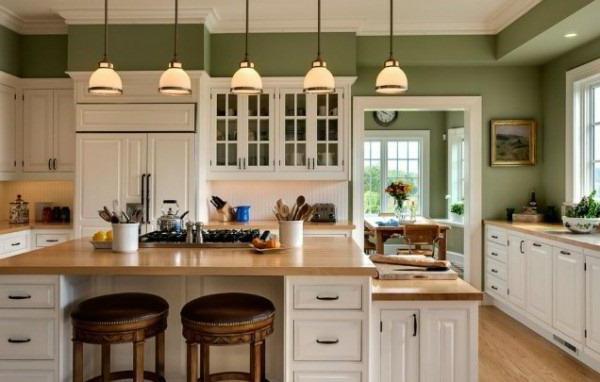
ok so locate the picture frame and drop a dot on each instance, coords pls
(513, 143)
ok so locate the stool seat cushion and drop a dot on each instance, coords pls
(120, 308)
(228, 309)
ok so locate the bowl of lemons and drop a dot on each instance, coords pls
(102, 240)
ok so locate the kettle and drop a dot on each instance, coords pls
(170, 221)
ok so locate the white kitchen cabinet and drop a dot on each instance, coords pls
(399, 346)
(539, 280)
(14, 243)
(8, 129)
(517, 271)
(48, 130)
(592, 292)
(569, 289)
(141, 169)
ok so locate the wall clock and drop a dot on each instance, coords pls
(385, 118)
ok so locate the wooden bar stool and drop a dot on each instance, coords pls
(226, 319)
(121, 318)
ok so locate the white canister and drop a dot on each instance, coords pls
(291, 233)
(125, 237)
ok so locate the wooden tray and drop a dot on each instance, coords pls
(405, 272)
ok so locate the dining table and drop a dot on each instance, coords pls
(381, 228)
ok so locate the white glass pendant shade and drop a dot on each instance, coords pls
(391, 79)
(319, 79)
(246, 80)
(105, 80)
(175, 81)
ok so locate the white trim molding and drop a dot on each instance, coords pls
(472, 107)
(52, 25)
(574, 167)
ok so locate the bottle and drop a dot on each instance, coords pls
(533, 202)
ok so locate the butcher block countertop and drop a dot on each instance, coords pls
(554, 232)
(273, 224)
(319, 257)
(424, 290)
(6, 227)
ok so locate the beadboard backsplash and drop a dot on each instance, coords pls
(61, 193)
(263, 195)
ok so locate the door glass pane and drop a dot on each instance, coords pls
(289, 154)
(333, 154)
(252, 130)
(221, 130)
(264, 130)
(232, 105)
(232, 154)
(289, 105)
(301, 108)
(333, 130)
(321, 154)
(232, 130)
(301, 133)
(264, 154)
(333, 104)
(221, 107)
(220, 154)
(301, 148)
(264, 104)
(253, 105)
(322, 130)
(252, 154)
(289, 130)
(322, 105)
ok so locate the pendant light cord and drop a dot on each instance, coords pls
(105, 59)
(391, 29)
(247, 29)
(319, 31)
(175, 31)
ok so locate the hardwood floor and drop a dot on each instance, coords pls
(511, 352)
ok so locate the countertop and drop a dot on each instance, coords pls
(319, 257)
(552, 231)
(424, 290)
(273, 224)
(5, 227)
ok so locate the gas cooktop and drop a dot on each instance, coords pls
(226, 238)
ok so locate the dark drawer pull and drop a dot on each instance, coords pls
(51, 240)
(19, 340)
(494, 237)
(494, 254)
(328, 298)
(16, 244)
(537, 245)
(19, 297)
(494, 271)
(565, 253)
(328, 342)
(494, 287)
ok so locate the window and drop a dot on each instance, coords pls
(394, 155)
(456, 165)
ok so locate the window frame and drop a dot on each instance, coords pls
(456, 137)
(423, 136)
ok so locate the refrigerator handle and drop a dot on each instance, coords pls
(143, 200)
(148, 198)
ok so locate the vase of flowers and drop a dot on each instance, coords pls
(400, 191)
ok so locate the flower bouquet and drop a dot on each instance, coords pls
(400, 191)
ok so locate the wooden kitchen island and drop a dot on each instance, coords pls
(321, 290)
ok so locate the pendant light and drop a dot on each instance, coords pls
(391, 79)
(319, 79)
(246, 79)
(105, 81)
(174, 80)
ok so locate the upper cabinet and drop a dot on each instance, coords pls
(8, 129)
(281, 134)
(48, 130)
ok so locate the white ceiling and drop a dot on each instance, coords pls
(366, 17)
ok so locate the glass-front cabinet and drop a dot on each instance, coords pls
(282, 134)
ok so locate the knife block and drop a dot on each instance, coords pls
(226, 213)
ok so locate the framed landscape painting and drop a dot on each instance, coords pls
(513, 142)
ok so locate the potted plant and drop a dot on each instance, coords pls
(400, 191)
(457, 211)
(583, 217)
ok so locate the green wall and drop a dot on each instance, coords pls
(43, 56)
(9, 51)
(136, 47)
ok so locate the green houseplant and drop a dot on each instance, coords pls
(584, 217)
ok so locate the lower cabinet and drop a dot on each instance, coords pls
(425, 341)
(517, 271)
(14, 243)
(539, 280)
(592, 292)
(569, 293)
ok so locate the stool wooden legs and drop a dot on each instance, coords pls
(77, 361)
(138, 361)
(192, 362)
(204, 362)
(255, 361)
(160, 354)
(105, 363)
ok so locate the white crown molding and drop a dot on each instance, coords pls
(511, 13)
(17, 24)
(424, 29)
(293, 25)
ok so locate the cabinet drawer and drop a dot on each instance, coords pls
(320, 340)
(496, 235)
(26, 296)
(50, 239)
(26, 375)
(26, 338)
(495, 286)
(326, 376)
(496, 252)
(496, 269)
(340, 296)
(15, 243)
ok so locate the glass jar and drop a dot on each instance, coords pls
(18, 212)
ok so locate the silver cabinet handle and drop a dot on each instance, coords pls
(328, 342)
(328, 298)
(19, 340)
(19, 297)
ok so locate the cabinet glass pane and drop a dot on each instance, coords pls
(301, 105)
(289, 105)
(221, 105)
(232, 154)
(322, 130)
(252, 106)
(289, 130)
(264, 154)
(301, 130)
(322, 105)
(333, 104)
(333, 130)
(232, 105)
(264, 105)
(232, 130)
(252, 130)
(264, 130)
(322, 154)
(332, 157)
(220, 154)
(290, 154)
(252, 154)
(301, 158)
(221, 128)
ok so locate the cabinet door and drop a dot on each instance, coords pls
(64, 131)
(328, 146)
(399, 352)
(259, 135)
(225, 132)
(8, 128)
(133, 167)
(293, 131)
(446, 347)
(37, 130)
(539, 280)
(171, 167)
(593, 303)
(517, 271)
(569, 289)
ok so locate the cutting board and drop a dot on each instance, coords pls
(404, 272)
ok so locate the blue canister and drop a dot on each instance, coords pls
(242, 214)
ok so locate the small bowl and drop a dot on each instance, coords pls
(581, 225)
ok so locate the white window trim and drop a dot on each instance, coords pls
(455, 135)
(577, 79)
(423, 136)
